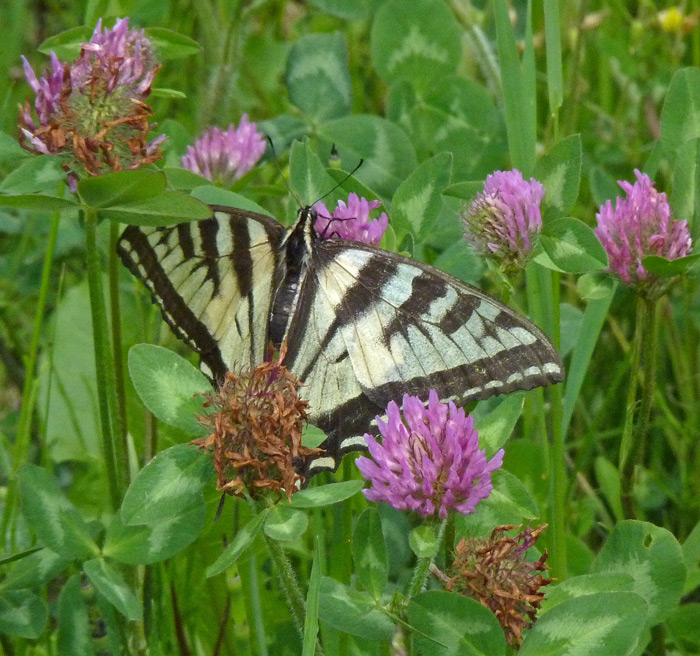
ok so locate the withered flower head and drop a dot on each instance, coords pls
(495, 573)
(92, 112)
(257, 431)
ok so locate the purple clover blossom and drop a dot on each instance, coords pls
(640, 225)
(429, 460)
(351, 221)
(504, 220)
(226, 155)
(92, 112)
(124, 54)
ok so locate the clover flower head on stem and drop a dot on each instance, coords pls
(639, 225)
(224, 156)
(429, 459)
(351, 220)
(504, 219)
(92, 113)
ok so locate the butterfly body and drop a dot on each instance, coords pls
(362, 326)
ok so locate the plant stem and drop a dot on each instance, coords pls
(103, 365)
(24, 423)
(627, 461)
(651, 339)
(290, 585)
(558, 464)
(121, 426)
(27, 409)
(422, 568)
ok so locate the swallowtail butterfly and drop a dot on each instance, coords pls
(363, 326)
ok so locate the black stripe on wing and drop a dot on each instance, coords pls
(499, 350)
(198, 245)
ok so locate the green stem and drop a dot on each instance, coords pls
(121, 426)
(27, 409)
(103, 365)
(626, 461)
(651, 338)
(558, 464)
(290, 585)
(420, 572)
(29, 390)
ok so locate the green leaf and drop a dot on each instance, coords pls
(158, 92)
(664, 268)
(439, 620)
(416, 41)
(350, 185)
(318, 77)
(603, 185)
(509, 503)
(240, 543)
(596, 286)
(326, 495)
(389, 156)
(684, 627)
(168, 208)
(610, 485)
(417, 201)
(66, 45)
(680, 115)
(560, 173)
(573, 246)
(74, 629)
(353, 612)
(285, 523)
(283, 130)
(496, 427)
(10, 150)
(168, 487)
(158, 540)
(591, 325)
(218, 196)
(38, 202)
(121, 188)
(40, 174)
(313, 597)
(22, 613)
(587, 584)
(169, 386)
(653, 557)
(345, 9)
(171, 45)
(517, 86)
(685, 196)
(423, 542)
(592, 625)
(457, 115)
(35, 570)
(185, 181)
(307, 175)
(369, 553)
(111, 585)
(55, 520)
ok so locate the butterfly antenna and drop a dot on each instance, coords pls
(343, 181)
(279, 168)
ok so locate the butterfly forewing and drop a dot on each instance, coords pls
(214, 281)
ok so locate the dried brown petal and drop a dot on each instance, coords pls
(494, 573)
(257, 431)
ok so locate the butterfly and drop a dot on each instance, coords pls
(362, 325)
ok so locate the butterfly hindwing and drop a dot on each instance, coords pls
(213, 280)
